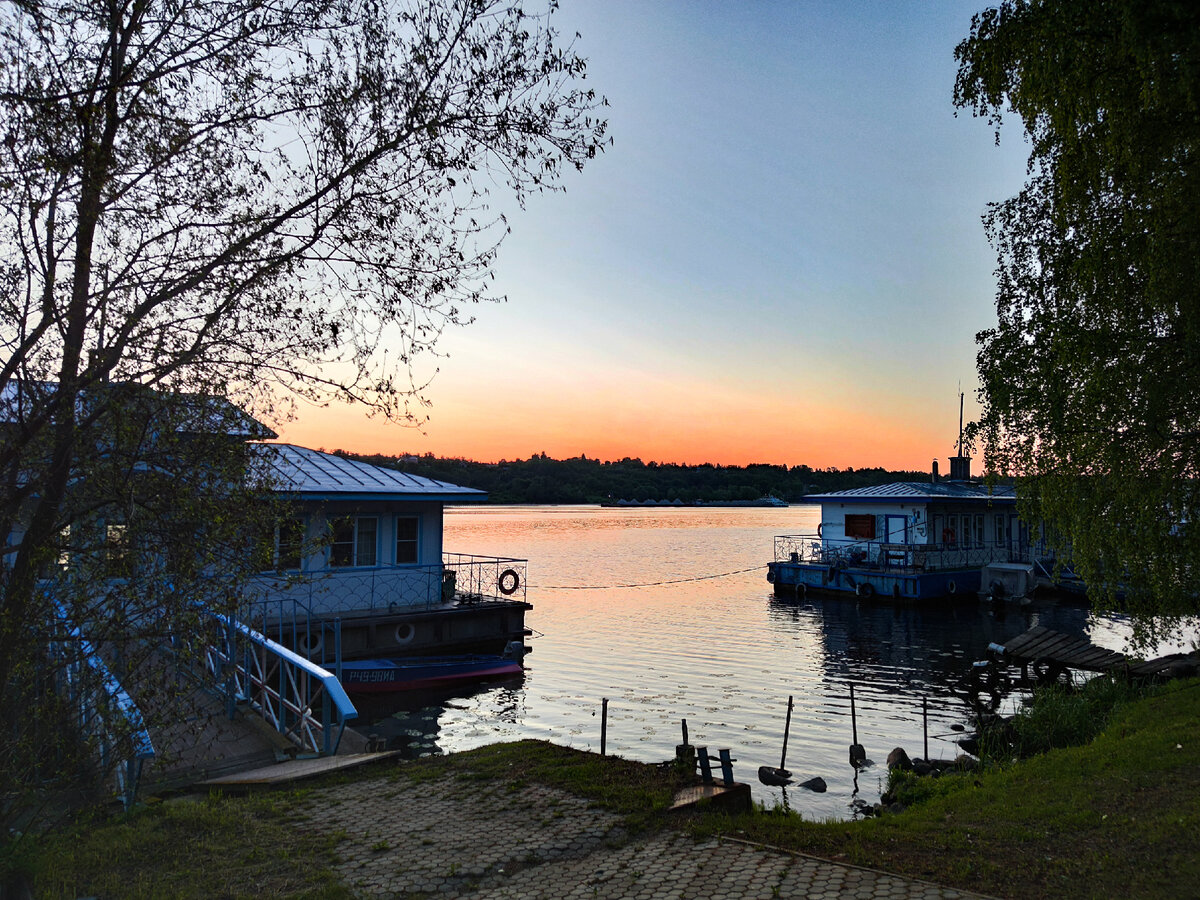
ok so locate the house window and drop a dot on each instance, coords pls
(289, 543)
(950, 532)
(1000, 531)
(355, 541)
(406, 539)
(979, 542)
(860, 527)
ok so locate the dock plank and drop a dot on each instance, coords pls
(295, 769)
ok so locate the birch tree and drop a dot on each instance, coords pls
(1091, 378)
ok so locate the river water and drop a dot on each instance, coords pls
(667, 614)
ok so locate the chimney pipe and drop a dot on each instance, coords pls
(935, 472)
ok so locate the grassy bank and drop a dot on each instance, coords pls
(1115, 817)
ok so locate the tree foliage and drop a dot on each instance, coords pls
(540, 479)
(231, 198)
(1091, 378)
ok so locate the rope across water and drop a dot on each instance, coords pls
(609, 587)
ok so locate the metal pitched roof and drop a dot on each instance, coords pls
(325, 476)
(920, 492)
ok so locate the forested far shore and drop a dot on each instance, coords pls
(541, 479)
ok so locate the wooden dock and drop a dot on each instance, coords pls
(1041, 645)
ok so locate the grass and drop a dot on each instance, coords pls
(1114, 817)
(216, 846)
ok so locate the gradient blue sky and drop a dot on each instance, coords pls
(780, 258)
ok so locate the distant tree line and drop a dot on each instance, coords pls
(541, 479)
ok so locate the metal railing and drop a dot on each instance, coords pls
(106, 713)
(302, 701)
(460, 576)
(814, 549)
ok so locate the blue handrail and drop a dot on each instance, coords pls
(280, 685)
(128, 771)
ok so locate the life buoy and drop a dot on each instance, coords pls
(770, 576)
(951, 587)
(508, 582)
(404, 633)
(820, 525)
(310, 644)
(866, 590)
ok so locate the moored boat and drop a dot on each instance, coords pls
(911, 541)
(422, 672)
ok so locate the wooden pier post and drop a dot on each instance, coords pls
(603, 725)
(857, 753)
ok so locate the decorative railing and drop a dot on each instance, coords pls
(302, 701)
(460, 577)
(814, 549)
(107, 715)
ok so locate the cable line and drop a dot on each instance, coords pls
(610, 587)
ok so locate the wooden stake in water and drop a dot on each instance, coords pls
(925, 724)
(857, 754)
(787, 726)
(603, 725)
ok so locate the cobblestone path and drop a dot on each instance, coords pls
(460, 838)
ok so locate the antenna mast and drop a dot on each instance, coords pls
(960, 424)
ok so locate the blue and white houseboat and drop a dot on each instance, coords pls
(910, 541)
(361, 572)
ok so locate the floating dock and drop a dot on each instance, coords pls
(1055, 649)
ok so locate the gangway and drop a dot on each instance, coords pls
(299, 699)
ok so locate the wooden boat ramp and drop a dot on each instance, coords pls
(1051, 653)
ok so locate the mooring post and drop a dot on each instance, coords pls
(685, 753)
(857, 753)
(925, 724)
(603, 725)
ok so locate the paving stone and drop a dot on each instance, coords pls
(451, 839)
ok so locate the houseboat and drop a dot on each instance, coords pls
(911, 541)
(360, 572)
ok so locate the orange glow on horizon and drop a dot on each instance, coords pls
(789, 437)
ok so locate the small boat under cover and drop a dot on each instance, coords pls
(419, 672)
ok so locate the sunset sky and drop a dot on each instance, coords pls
(780, 258)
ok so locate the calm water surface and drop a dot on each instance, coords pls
(623, 610)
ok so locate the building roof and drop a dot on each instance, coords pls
(921, 492)
(314, 475)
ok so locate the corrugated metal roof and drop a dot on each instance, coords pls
(317, 475)
(920, 491)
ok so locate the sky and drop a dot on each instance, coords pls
(780, 258)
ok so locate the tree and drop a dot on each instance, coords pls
(1091, 378)
(236, 199)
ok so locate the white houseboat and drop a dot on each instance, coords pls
(360, 571)
(910, 541)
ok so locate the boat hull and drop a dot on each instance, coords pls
(792, 579)
(378, 676)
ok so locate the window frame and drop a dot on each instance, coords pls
(354, 543)
(414, 541)
(863, 526)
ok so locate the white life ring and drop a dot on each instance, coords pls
(951, 587)
(310, 644)
(404, 633)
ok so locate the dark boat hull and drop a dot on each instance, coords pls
(377, 676)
